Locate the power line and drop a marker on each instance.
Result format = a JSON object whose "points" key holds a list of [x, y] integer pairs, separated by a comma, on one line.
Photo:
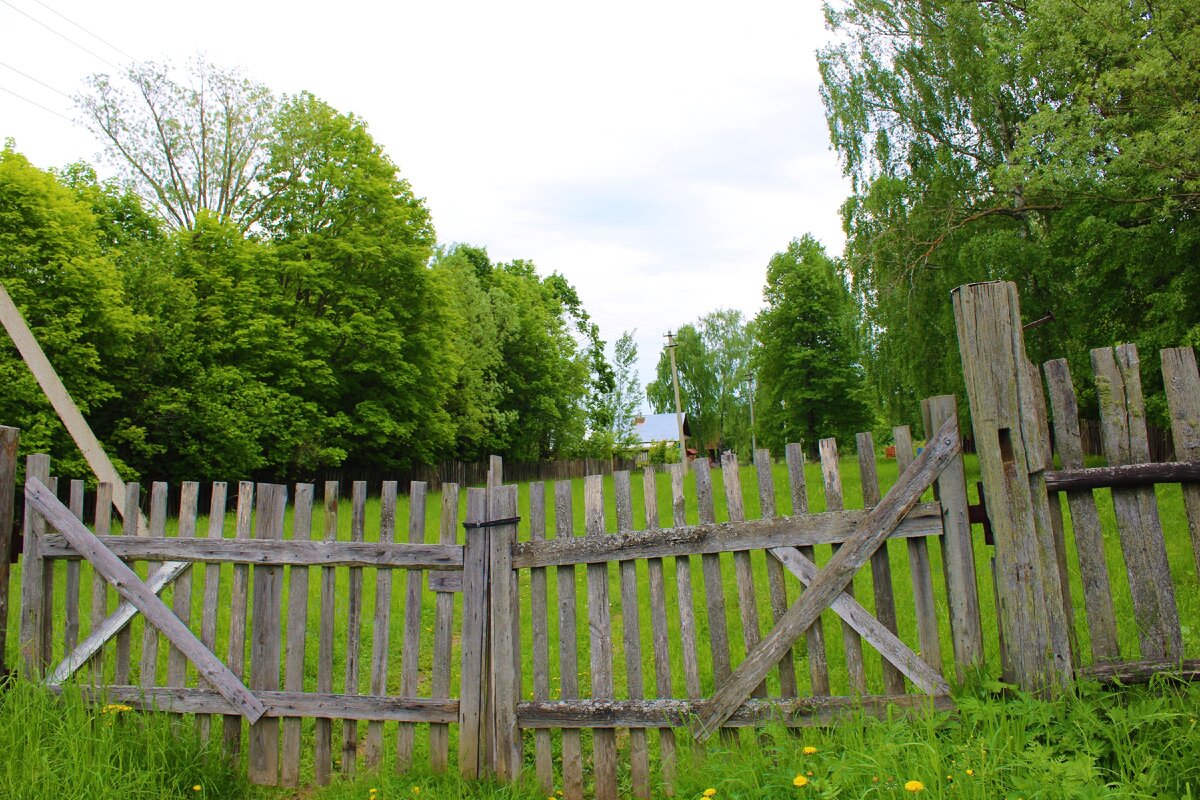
{"points": [[85, 30], [35, 80], [67, 39], [35, 103]]}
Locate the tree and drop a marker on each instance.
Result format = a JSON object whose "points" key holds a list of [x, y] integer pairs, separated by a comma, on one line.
{"points": [[811, 383], [186, 146], [712, 358], [621, 403], [1047, 142]]}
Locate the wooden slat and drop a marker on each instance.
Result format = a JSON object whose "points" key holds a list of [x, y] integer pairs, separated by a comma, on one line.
{"points": [[830, 583], [410, 667], [129, 586], [373, 749], [714, 584], [266, 643], [148, 672], [604, 742], [540, 634], [504, 633], [659, 630], [831, 478], [568, 659], [212, 590], [472, 728], [1183, 472], [443, 633], [71, 589], [358, 511], [275, 553], [742, 569], [1123, 434], [49, 585], [239, 597], [775, 575], [123, 656], [189, 494], [639, 755], [920, 571], [814, 637], [323, 734], [33, 583], [958, 550], [1182, 383], [684, 594], [881, 566], [102, 526], [297, 636], [9, 439]]}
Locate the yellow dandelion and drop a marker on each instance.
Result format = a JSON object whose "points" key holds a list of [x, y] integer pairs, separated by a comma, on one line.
{"points": [[196, 788], [710, 792], [416, 790], [970, 772], [809, 750], [914, 786], [800, 780]]}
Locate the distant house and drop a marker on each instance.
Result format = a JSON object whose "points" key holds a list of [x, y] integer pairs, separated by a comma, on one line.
{"points": [[653, 428]]}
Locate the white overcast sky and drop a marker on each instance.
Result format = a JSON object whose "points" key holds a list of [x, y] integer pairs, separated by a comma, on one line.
{"points": [[656, 153]]}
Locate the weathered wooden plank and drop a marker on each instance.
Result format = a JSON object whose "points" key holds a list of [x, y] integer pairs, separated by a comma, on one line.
{"points": [[834, 501], [282, 705], [753, 713], [814, 637], [1123, 435], [33, 570], [1184, 472], [373, 749], [148, 672], [102, 525], [881, 566], [743, 572], [659, 630], [71, 589], [540, 634], [684, 593], [775, 576], [358, 513], [128, 585], [604, 742], [266, 642], [568, 659], [1127, 672], [323, 733], [49, 585], [831, 582], [506, 680], [1012, 464], [297, 636], [920, 571], [958, 550], [472, 724], [123, 655], [189, 494], [212, 589], [714, 586], [1182, 383], [443, 633], [9, 439], [410, 668], [877, 635], [269, 553], [239, 597], [639, 754]]}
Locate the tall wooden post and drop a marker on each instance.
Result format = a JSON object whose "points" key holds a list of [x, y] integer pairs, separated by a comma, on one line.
{"points": [[1003, 389], [32, 577], [8, 491]]}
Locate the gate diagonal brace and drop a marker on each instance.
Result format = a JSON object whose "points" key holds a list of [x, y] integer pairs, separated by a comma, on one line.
{"points": [[824, 589]]}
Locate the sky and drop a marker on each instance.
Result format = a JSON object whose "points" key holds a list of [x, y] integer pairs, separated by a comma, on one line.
{"points": [[656, 153]]}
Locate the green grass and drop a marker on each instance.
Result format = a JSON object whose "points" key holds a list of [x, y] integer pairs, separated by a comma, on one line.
{"points": [[1171, 510]]}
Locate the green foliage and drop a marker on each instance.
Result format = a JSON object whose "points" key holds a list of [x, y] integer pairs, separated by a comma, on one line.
{"points": [[663, 453], [811, 383], [1049, 143], [713, 359], [619, 405]]}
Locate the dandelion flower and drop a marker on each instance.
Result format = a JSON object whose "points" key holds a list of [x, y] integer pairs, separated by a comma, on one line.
{"points": [[196, 788], [800, 780], [970, 772], [914, 786], [710, 792], [809, 750], [416, 790]]}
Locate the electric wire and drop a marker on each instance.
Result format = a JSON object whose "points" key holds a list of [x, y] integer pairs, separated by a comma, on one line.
{"points": [[35, 80], [39, 105], [98, 38], [65, 38]]}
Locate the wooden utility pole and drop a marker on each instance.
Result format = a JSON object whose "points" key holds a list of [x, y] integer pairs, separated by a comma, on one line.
{"points": [[753, 435], [678, 404]]}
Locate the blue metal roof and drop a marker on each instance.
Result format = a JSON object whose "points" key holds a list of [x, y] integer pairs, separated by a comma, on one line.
{"points": [[659, 428]]}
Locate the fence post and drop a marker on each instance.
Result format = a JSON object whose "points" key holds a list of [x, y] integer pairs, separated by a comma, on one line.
{"points": [[958, 551], [1013, 457], [32, 577], [9, 437], [473, 718], [504, 683]]}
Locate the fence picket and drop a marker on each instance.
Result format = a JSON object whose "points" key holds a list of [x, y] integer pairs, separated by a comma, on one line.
{"points": [[659, 631], [540, 634], [33, 583], [568, 659], [443, 633], [71, 589], [684, 594], [212, 589], [373, 748], [237, 613], [266, 642], [297, 635], [189, 493], [775, 572], [1182, 382], [604, 742], [123, 657], [639, 756], [9, 439], [881, 565], [323, 734], [814, 637], [831, 477], [102, 527], [358, 512], [148, 672], [742, 569], [919, 568], [411, 645]]}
